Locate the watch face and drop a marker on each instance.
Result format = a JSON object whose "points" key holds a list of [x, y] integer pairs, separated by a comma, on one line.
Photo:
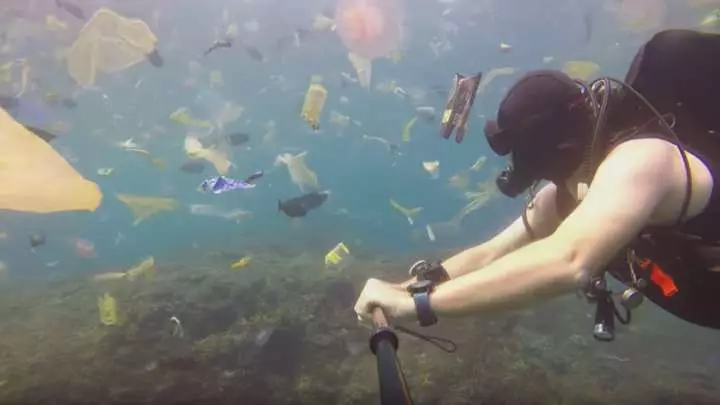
{"points": [[420, 286]]}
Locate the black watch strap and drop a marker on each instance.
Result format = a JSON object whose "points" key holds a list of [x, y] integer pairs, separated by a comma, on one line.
{"points": [[425, 314]]}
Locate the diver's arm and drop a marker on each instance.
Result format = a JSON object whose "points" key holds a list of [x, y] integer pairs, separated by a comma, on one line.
{"points": [[625, 191], [542, 218]]}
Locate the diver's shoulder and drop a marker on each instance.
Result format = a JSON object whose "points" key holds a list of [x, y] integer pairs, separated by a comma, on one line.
{"points": [[646, 154]]}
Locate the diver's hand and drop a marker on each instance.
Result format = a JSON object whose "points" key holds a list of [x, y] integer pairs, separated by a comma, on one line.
{"points": [[395, 301]]}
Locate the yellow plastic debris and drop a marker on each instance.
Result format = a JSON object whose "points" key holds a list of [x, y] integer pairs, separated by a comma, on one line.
{"points": [[145, 269], [107, 306], [241, 264], [109, 43], [363, 69], [338, 257], [314, 103], [156, 162], [35, 178], [580, 69], [407, 129], [143, 207], [112, 276], [300, 173], [477, 199], [182, 116], [409, 213], [195, 150]]}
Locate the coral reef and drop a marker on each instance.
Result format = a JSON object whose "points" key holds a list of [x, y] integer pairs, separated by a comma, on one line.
{"points": [[282, 331]]}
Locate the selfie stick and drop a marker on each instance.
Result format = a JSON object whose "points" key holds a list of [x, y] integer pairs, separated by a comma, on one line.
{"points": [[384, 344]]}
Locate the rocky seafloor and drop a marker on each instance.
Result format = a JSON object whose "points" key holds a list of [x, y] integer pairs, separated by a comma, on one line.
{"points": [[282, 331]]}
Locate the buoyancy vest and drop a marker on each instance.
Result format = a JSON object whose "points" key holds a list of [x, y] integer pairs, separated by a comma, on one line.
{"points": [[678, 72]]}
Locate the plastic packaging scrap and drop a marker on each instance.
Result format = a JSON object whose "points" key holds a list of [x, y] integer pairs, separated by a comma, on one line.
{"points": [[143, 207], [409, 213], [110, 43], [241, 264], [107, 307], [314, 103], [338, 257], [26, 159]]}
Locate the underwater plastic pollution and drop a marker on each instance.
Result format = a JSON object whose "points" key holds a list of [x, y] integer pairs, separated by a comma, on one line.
{"points": [[322, 22], [221, 184], [228, 113], [144, 207], [370, 28], [433, 168], [430, 233], [110, 43], [426, 111], [492, 74], [458, 106], [107, 308], [408, 213], [208, 210], [145, 269], [479, 163], [300, 173], [27, 159], [486, 191], [52, 23], [105, 171], [580, 69], [407, 129], [363, 69], [84, 248], [195, 150], [314, 103], [338, 119], [241, 264], [182, 116], [338, 258]]}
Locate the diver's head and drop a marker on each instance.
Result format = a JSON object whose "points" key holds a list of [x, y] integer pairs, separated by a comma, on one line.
{"points": [[544, 123]]}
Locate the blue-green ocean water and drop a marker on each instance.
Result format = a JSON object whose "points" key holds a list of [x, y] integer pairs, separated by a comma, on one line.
{"points": [[361, 175]]}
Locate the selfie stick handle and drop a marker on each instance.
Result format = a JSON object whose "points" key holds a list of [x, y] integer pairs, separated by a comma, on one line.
{"points": [[384, 344]]}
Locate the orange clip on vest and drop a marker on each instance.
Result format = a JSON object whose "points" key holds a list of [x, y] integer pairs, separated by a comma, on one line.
{"points": [[660, 278]]}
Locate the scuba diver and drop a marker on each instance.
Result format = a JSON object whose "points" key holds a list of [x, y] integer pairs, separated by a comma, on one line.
{"points": [[631, 174]]}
